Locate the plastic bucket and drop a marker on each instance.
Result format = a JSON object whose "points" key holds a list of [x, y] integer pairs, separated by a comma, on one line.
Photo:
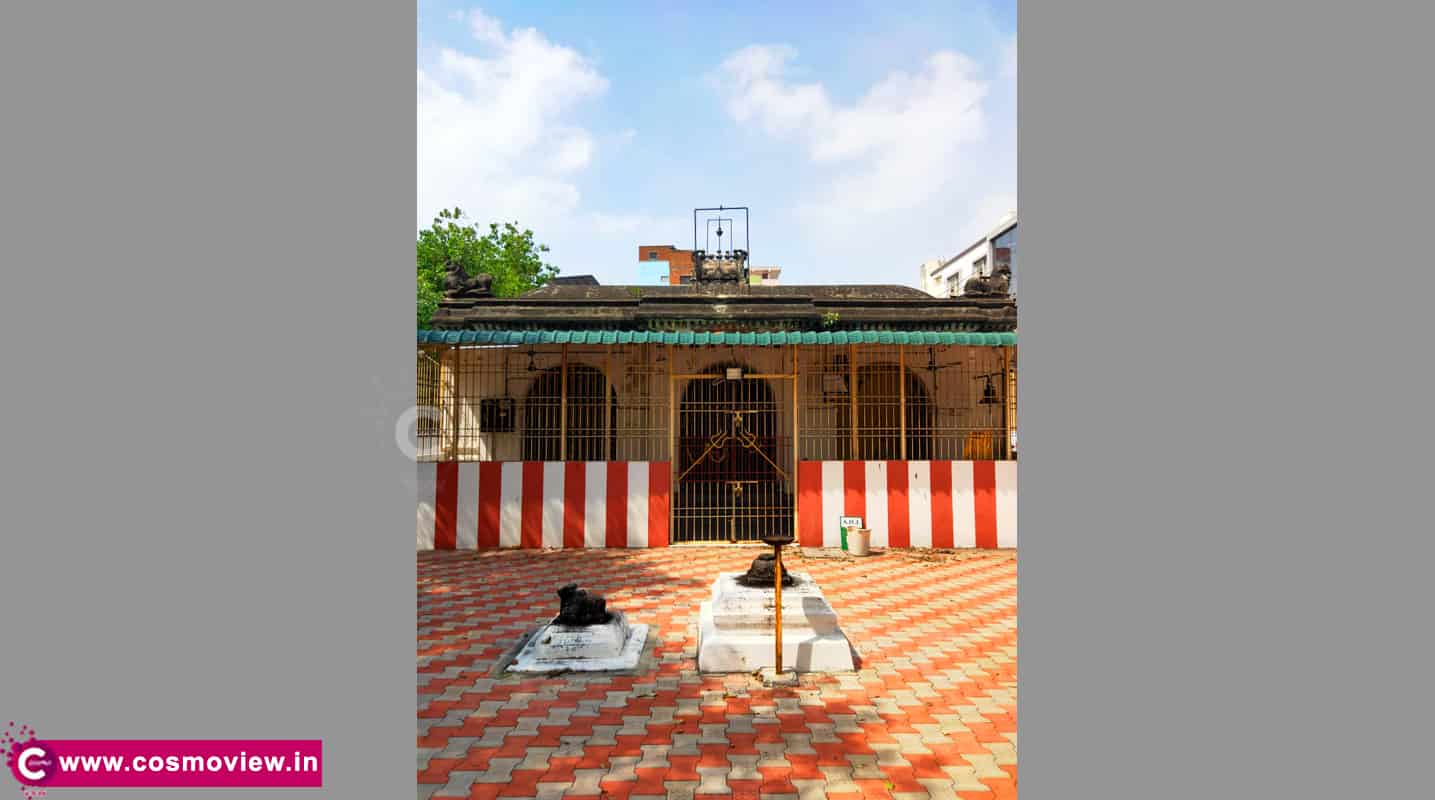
{"points": [[859, 541]]}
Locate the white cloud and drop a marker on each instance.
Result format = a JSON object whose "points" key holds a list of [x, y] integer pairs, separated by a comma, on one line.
{"points": [[485, 28], [495, 129], [906, 129], [901, 173]]}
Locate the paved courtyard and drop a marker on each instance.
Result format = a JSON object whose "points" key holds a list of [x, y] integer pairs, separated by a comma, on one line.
{"points": [[930, 713]]}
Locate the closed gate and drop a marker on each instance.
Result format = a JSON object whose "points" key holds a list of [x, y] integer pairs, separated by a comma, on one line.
{"points": [[734, 465]]}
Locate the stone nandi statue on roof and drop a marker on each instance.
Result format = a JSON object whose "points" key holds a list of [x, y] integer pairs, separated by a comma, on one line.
{"points": [[998, 285], [458, 283]]}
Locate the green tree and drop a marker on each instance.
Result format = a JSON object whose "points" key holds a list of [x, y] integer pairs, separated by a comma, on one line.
{"points": [[507, 253]]}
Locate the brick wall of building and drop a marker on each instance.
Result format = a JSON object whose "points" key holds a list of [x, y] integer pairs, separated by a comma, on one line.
{"points": [[680, 261]]}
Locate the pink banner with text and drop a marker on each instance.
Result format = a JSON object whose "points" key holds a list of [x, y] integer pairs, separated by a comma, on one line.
{"points": [[166, 763]]}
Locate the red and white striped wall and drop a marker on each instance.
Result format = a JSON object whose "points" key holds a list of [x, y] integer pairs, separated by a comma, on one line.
{"points": [[909, 503], [534, 504]]}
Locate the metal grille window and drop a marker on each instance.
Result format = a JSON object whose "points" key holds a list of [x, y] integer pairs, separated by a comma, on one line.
{"points": [[915, 403], [429, 398], [545, 403], [594, 403], [585, 431]]}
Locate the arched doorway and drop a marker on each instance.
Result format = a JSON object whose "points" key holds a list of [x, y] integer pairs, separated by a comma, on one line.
{"points": [[589, 396], [734, 459]]}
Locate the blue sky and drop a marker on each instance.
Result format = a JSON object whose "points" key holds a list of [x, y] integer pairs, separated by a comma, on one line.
{"points": [[865, 139]]}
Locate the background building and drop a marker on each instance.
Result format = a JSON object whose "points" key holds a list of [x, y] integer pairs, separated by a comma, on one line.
{"points": [[992, 253], [765, 276], [665, 264]]}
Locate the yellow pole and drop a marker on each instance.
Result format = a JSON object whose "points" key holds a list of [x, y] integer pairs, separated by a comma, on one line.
{"points": [[902, 397], [563, 406], [777, 603], [449, 359], [672, 448], [852, 397], [796, 452], [607, 410], [1005, 448]]}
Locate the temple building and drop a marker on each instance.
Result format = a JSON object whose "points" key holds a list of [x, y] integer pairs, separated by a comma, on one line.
{"points": [[580, 415]]}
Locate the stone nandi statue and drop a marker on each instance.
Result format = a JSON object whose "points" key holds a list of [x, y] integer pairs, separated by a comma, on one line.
{"points": [[578, 607], [458, 283], [998, 285]]}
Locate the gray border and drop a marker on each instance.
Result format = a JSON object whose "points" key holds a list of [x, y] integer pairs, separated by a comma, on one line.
{"points": [[207, 322], [1218, 594], [204, 203]]}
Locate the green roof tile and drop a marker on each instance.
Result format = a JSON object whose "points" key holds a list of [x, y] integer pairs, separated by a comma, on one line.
{"points": [[699, 338]]}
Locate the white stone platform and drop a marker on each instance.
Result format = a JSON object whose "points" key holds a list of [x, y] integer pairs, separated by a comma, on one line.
{"points": [[587, 648], [736, 629]]}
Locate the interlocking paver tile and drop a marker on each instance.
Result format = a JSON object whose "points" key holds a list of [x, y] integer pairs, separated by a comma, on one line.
{"points": [[458, 783], [864, 766], [839, 779], [931, 713], [681, 790], [714, 779]]}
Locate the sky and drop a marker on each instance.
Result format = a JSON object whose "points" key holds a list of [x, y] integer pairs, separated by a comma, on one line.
{"points": [[864, 139]]}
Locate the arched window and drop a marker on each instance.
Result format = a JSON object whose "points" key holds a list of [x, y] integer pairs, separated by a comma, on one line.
{"points": [[879, 416], [589, 398]]}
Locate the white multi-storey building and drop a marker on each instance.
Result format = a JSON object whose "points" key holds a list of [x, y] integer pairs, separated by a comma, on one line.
{"points": [[992, 253]]}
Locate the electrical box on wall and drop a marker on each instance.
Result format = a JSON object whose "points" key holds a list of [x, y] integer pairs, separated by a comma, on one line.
{"points": [[495, 415]]}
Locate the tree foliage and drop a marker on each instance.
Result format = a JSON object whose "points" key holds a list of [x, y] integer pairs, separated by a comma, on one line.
{"points": [[507, 253]]}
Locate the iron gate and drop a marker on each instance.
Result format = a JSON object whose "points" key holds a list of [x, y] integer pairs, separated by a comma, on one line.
{"points": [[734, 469]]}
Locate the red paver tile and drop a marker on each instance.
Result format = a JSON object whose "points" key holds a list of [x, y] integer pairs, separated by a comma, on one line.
{"points": [[524, 783], [745, 790], [439, 768], [872, 787], [595, 757], [485, 791], [560, 770], [683, 768], [804, 767]]}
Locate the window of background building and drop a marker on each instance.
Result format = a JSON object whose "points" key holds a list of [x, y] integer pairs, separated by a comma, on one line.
{"points": [[1004, 255], [652, 255], [979, 267]]}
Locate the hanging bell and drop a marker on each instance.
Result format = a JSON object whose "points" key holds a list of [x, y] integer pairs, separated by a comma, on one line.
{"points": [[989, 393]]}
